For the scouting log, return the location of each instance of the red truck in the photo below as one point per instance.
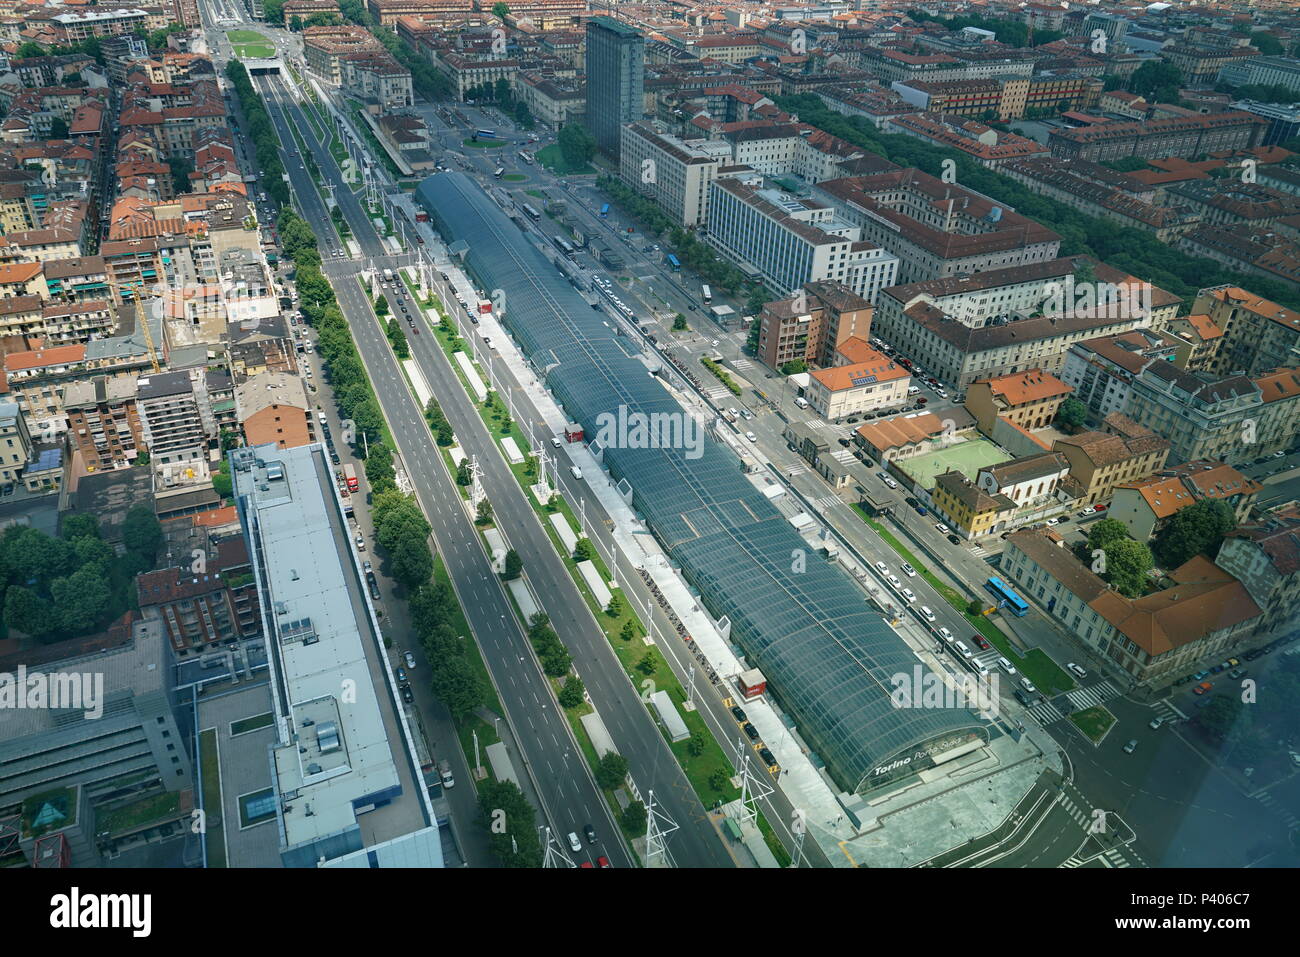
(350, 474)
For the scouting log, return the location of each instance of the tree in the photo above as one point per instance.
(27, 612)
(974, 607)
(142, 532)
(582, 550)
(1071, 414)
(679, 323)
(459, 686)
(695, 745)
(615, 606)
(577, 145)
(1127, 564)
(514, 565)
(647, 664)
(58, 129)
(29, 49)
(484, 513)
(508, 817)
(719, 780)
(1154, 79)
(463, 476)
(79, 526)
(500, 10)
(611, 770)
(794, 367)
(82, 598)
(412, 560)
(222, 483)
(628, 631)
(633, 819)
(1106, 532)
(1197, 529)
(570, 695)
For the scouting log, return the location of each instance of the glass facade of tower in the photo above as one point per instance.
(615, 80)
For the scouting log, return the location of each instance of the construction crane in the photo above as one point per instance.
(144, 324)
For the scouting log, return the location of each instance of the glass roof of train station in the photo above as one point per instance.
(827, 655)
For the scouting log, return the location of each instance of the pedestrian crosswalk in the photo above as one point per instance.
(794, 470)
(843, 456)
(1093, 695)
(1277, 808)
(1045, 712)
(717, 395)
(1080, 816)
(826, 502)
(978, 550)
(1165, 709)
(742, 365)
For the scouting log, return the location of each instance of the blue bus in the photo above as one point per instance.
(488, 134)
(1007, 598)
(674, 263)
(604, 210)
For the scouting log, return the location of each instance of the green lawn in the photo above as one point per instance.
(553, 159)
(213, 835)
(1094, 722)
(514, 177)
(1036, 666)
(249, 44)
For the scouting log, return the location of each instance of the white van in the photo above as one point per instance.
(1076, 670)
(965, 651)
(801, 402)
(1006, 666)
(913, 390)
(575, 472)
(927, 614)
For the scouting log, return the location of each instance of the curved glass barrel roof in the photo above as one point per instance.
(827, 656)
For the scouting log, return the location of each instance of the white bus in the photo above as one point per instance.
(498, 171)
(707, 294)
(525, 157)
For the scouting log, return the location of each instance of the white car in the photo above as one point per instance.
(927, 614)
(908, 570)
(1053, 522)
(410, 659)
(575, 845)
(894, 583)
(746, 414)
(751, 436)
(942, 527)
(891, 483)
(909, 595)
(1028, 685)
(880, 566)
(945, 634)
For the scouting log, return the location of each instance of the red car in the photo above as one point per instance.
(1099, 508)
(603, 861)
(981, 642)
(1203, 687)
(585, 864)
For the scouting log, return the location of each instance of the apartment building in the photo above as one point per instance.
(103, 424)
(1202, 616)
(1265, 557)
(1232, 419)
(1183, 136)
(993, 323)
(172, 422)
(273, 408)
(1145, 505)
(936, 229)
(1100, 370)
(983, 144)
(812, 327)
(200, 611)
(1101, 461)
(968, 510)
(791, 241)
(1257, 334)
(1028, 399)
(675, 173)
(1263, 71)
(868, 384)
(15, 443)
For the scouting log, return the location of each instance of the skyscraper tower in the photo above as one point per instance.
(615, 80)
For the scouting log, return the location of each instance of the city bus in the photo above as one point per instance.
(498, 171)
(674, 263)
(525, 157)
(707, 294)
(604, 210)
(532, 214)
(489, 134)
(1007, 599)
(563, 245)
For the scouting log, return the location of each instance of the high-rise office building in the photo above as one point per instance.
(615, 80)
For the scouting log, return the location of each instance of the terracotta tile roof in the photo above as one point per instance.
(901, 430)
(1033, 385)
(873, 370)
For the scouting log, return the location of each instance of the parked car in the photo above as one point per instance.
(409, 659)
(1203, 687)
(407, 695)
(943, 529)
(1156, 723)
(1131, 746)
(955, 539)
(738, 713)
(751, 732)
